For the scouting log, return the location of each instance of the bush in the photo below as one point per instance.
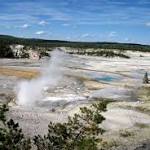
(11, 136)
(126, 133)
(80, 132)
(5, 51)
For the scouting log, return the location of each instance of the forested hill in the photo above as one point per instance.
(6, 40)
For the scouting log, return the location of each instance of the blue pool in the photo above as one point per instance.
(106, 78)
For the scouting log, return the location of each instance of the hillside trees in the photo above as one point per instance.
(9, 40)
(5, 51)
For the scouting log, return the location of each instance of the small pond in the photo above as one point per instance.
(105, 77)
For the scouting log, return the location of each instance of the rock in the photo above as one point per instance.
(17, 50)
(34, 55)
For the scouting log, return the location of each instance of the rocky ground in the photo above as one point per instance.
(128, 117)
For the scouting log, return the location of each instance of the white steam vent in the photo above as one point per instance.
(31, 91)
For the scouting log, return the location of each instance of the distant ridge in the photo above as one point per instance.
(8, 40)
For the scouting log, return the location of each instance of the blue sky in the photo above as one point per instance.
(77, 20)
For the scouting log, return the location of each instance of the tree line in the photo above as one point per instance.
(8, 40)
(104, 47)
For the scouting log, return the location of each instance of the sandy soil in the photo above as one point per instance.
(18, 73)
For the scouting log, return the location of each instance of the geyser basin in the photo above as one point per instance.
(60, 101)
(52, 86)
(29, 92)
(115, 93)
(67, 97)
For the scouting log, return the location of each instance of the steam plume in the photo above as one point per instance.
(31, 91)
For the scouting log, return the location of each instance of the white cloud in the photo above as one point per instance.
(112, 34)
(42, 22)
(25, 26)
(148, 24)
(127, 40)
(66, 24)
(85, 35)
(39, 32)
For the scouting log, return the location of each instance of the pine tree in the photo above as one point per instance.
(11, 136)
(81, 132)
(145, 79)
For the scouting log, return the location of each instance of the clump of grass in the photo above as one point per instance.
(142, 125)
(143, 109)
(126, 133)
(105, 145)
(108, 100)
(144, 93)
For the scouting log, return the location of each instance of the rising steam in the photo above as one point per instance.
(29, 92)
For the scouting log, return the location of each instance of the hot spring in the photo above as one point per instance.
(52, 87)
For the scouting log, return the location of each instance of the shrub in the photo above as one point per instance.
(81, 132)
(145, 79)
(125, 133)
(11, 136)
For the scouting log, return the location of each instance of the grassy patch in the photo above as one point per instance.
(144, 93)
(125, 133)
(105, 145)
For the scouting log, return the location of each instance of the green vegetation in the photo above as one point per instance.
(80, 132)
(126, 133)
(11, 136)
(5, 51)
(145, 79)
(8, 40)
(105, 49)
(104, 53)
(109, 144)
